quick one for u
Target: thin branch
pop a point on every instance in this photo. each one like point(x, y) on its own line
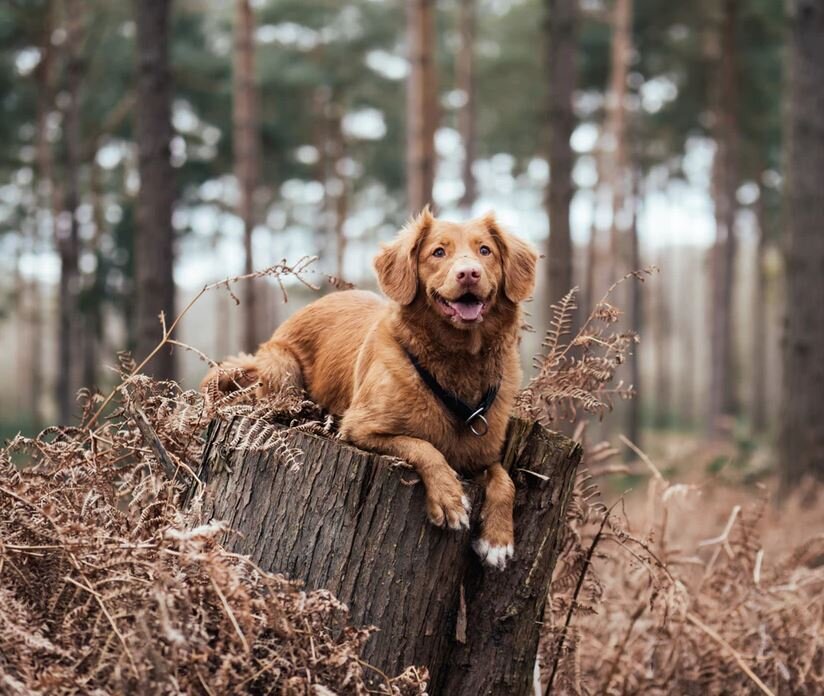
point(587, 562)
point(693, 619)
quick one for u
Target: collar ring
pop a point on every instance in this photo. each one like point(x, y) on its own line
point(478, 416)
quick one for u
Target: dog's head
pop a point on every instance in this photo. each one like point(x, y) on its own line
point(462, 270)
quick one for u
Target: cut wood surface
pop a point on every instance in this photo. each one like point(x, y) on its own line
point(355, 523)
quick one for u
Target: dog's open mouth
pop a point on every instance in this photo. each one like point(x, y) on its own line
point(467, 307)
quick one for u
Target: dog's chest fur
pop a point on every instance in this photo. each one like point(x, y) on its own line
point(468, 376)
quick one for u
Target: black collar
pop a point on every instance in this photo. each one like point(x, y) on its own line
point(473, 417)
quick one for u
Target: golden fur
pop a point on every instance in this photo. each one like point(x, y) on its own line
point(348, 350)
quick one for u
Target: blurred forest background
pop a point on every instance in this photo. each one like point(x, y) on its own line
point(149, 148)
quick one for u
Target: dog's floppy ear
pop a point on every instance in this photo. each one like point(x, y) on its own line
point(518, 258)
point(396, 265)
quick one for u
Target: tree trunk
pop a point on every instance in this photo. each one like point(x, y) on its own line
point(154, 239)
point(661, 334)
point(351, 522)
point(725, 182)
point(66, 228)
point(636, 319)
point(465, 73)
point(337, 188)
point(802, 428)
point(561, 70)
point(615, 126)
point(46, 199)
point(758, 379)
point(421, 103)
point(246, 120)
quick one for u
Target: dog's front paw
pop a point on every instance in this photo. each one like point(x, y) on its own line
point(494, 555)
point(446, 504)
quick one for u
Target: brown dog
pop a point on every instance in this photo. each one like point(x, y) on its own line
point(395, 370)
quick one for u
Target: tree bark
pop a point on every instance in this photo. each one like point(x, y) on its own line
point(725, 182)
point(661, 322)
point(561, 70)
point(154, 239)
point(802, 428)
point(351, 522)
point(465, 73)
point(615, 126)
point(636, 319)
point(758, 406)
point(46, 199)
point(421, 103)
point(246, 125)
point(66, 228)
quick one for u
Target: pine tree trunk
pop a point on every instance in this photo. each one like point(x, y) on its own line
point(353, 523)
point(636, 319)
point(561, 70)
point(661, 330)
point(802, 428)
point(337, 192)
point(246, 147)
point(421, 103)
point(725, 182)
point(758, 406)
point(66, 229)
point(154, 238)
point(465, 71)
point(615, 127)
point(44, 77)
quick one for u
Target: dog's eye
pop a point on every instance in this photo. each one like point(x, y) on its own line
point(485, 250)
point(439, 252)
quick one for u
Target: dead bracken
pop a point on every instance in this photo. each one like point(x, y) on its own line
point(106, 587)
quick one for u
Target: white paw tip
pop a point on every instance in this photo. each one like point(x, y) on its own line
point(461, 522)
point(494, 556)
point(466, 504)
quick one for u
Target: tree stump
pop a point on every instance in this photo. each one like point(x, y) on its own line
point(354, 523)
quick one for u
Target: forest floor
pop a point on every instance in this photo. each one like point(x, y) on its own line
point(701, 582)
point(680, 574)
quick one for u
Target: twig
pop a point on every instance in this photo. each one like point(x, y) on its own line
point(111, 620)
point(378, 671)
point(614, 666)
point(151, 438)
point(277, 270)
point(642, 456)
point(231, 615)
point(587, 561)
point(693, 619)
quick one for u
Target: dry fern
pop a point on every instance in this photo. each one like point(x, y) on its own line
point(105, 586)
point(576, 373)
point(646, 616)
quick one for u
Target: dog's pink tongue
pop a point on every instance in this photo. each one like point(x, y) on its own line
point(468, 311)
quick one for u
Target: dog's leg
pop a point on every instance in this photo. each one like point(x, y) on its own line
point(496, 544)
point(446, 503)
